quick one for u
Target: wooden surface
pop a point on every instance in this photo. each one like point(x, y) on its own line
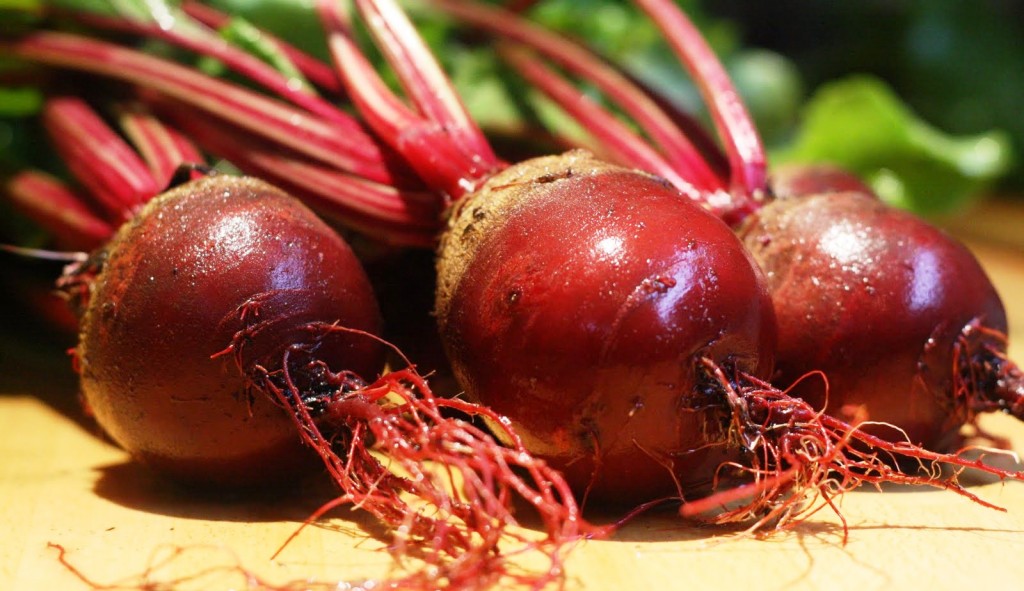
point(62, 484)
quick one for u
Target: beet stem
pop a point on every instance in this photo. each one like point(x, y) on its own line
point(98, 157)
point(59, 209)
point(198, 39)
point(423, 79)
point(317, 72)
point(627, 147)
point(275, 120)
point(743, 144)
point(395, 215)
point(426, 144)
point(163, 148)
point(679, 151)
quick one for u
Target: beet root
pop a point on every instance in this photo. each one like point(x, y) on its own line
point(897, 315)
point(581, 299)
point(197, 267)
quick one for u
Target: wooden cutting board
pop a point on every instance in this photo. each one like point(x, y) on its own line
point(63, 485)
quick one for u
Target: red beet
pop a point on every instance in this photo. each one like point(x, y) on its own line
point(530, 314)
point(197, 265)
point(578, 298)
point(899, 316)
point(888, 307)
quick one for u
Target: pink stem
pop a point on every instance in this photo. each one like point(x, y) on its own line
point(98, 157)
point(351, 151)
point(163, 148)
point(743, 144)
point(58, 209)
point(405, 217)
point(422, 77)
point(679, 151)
point(688, 125)
point(204, 42)
point(319, 73)
point(629, 148)
point(427, 146)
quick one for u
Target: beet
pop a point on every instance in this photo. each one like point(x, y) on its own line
point(577, 298)
point(622, 332)
point(197, 265)
point(877, 300)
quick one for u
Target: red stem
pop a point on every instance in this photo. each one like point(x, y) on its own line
point(688, 125)
point(352, 151)
point(319, 73)
point(399, 216)
point(204, 42)
point(679, 151)
point(423, 79)
point(164, 149)
point(735, 126)
point(628, 148)
point(98, 157)
point(425, 144)
point(58, 209)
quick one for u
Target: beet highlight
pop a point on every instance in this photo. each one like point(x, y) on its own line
point(752, 452)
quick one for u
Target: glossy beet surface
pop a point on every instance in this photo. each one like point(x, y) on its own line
point(169, 295)
point(576, 298)
point(796, 180)
point(875, 298)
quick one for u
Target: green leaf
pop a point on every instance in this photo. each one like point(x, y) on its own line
point(860, 124)
point(295, 21)
point(22, 5)
point(20, 102)
point(247, 37)
point(772, 89)
point(156, 11)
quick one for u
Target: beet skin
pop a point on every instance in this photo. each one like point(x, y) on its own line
point(577, 297)
point(876, 299)
point(171, 292)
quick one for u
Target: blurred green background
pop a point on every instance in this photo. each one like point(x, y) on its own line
point(959, 64)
